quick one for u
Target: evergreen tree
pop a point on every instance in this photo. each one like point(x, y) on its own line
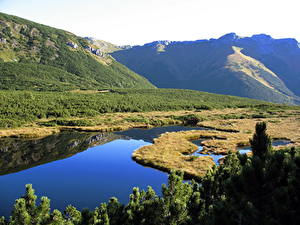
point(56, 218)
point(30, 199)
point(101, 216)
point(133, 207)
point(261, 143)
point(2, 220)
point(20, 214)
point(42, 211)
point(175, 199)
point(151, 208)
point(73, 215)
point(26, 212)
point(87, 216)
point(115, 211)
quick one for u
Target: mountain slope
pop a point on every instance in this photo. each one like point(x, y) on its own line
point(103, 46)
point(29, 43)
point(229, 65)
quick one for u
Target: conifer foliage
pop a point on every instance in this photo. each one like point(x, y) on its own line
point(249, 190)
point(261, 144)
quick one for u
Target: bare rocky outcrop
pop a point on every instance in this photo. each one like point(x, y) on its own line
point(49, 43)
point(95, 51)
point(3, 40)
point(34, 32)
point(72, 44)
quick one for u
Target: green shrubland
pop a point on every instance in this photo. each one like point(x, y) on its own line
point(21, 107)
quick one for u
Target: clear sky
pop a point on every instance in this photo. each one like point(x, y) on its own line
point(140, 21)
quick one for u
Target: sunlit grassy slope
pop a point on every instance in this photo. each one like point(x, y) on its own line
point(54, 59)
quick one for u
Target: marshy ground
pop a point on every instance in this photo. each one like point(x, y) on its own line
point(172, 150)
point(229, 129)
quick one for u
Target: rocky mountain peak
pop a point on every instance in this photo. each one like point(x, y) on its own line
point(229, 37)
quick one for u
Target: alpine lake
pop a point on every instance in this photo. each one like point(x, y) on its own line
point(81, 168)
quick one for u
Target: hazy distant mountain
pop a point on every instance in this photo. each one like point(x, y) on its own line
point(38, 57)
point(258, 67)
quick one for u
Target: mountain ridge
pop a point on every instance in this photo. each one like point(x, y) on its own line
point(30, 43)
point(266, 68)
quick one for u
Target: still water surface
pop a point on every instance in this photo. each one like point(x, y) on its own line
point(77, 168)
point(82, 169)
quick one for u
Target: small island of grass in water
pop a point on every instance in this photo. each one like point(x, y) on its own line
point(173, 150)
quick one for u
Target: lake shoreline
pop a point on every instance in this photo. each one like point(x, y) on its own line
point(109, 122)
point(170, 150)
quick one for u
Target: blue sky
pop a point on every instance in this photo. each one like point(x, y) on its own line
point(140, 21)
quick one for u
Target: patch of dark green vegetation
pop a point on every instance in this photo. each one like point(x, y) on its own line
point(66, 122)
point(190, 119)
point(26, 76)
point(20, 107)
point(142, 119)
point(260, 189)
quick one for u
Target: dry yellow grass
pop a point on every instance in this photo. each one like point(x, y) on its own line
point(280, 128)
point(169, 150)
point(29, 132)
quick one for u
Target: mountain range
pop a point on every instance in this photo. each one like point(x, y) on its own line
point(259, 67)
point(43, 58)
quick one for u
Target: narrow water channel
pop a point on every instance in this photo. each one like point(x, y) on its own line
point(243, 150)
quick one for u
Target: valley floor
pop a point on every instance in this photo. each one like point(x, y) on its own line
point(229, 129)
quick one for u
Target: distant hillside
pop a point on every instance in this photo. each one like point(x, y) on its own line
point(258, 67)
point(38, 57)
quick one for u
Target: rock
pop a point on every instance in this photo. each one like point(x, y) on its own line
point(125, 47)
point(50, 43)
point(88, 48)
point(34, 32)
point(94, 139)
point(97, 52)
point(14, 43)
point(72, 44)
point(3, 23)
point(94, 51)
point(74, 144)
point(3, 40)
